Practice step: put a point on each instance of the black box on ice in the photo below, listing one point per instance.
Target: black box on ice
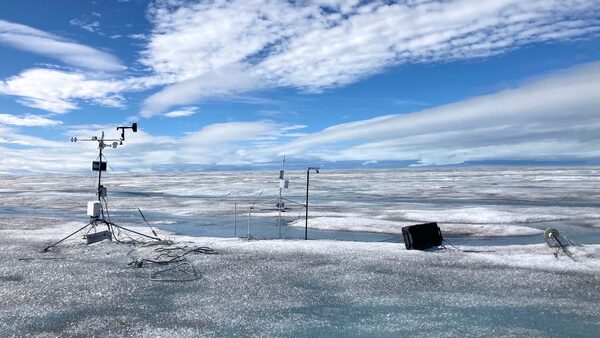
(422, 236)
(98, 236)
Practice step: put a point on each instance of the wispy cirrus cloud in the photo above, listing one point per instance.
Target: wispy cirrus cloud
(85, 24)
(355, 42)
(223, 82)
(28, 120)
(217, 49)
(314, 45)
(71, 53)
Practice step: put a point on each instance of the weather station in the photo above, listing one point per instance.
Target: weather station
(97, 210)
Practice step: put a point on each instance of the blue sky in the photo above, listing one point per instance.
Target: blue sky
(220, 83)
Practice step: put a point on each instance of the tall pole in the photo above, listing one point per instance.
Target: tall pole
(249, 216)
(306, 217)
(235, 220)
(281, 181)
(100, 173)
(279, 207)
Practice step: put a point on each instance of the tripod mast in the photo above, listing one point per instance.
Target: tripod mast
(97, 216)
(99, 190)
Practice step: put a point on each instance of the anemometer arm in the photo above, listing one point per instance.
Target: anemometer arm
(101, 140)
(133, 128)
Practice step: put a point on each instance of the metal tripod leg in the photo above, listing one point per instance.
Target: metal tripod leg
(51, 245)
(109, 225)
(135, 232)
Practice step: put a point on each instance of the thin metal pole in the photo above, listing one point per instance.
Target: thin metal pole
(135, 232)
(54, 244)
(279, 207)
(249, 216)
(306, 217)
(100, 174)
(281, 181)
(235, 220)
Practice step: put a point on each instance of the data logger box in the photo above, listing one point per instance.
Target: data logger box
(98, 166)
(98, 236)
(94, 208)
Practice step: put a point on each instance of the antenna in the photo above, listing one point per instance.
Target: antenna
(95, 209)
(250, 213)
(308, 170)
(283, 184)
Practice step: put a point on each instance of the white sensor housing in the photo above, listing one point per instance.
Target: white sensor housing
(94, 208)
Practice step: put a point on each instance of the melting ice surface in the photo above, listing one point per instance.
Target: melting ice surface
(506, 282)
(470, 205)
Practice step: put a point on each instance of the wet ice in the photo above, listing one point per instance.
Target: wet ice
(505, 282)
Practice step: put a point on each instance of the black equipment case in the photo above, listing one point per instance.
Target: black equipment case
(422, 236)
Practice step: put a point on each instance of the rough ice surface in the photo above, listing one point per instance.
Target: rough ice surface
(505, 282)
(383, 226)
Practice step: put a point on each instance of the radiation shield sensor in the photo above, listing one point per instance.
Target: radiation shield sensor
(554, 239)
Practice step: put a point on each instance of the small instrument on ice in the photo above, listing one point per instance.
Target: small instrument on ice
(422, 236)
(555, 240)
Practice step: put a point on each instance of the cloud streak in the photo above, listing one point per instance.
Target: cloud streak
(27, 120)
(219, 83)
(553, 118)
(36, 41)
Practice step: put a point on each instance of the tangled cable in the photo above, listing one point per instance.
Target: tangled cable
(184, 271)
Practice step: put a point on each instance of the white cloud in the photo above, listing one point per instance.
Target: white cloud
(137, 36)
(554, 118)
(57, 91)
(224, 48)
(187, 111)
(386, 35)
(36, 41)
(308, 46)
(230, 143)
(193, 39)
(27, 120)
(11, 136)
(90, 26)
(229, 132)
(219, 83)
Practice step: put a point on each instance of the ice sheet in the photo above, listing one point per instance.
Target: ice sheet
(376, 225)
(296, 288)
(495, 287)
